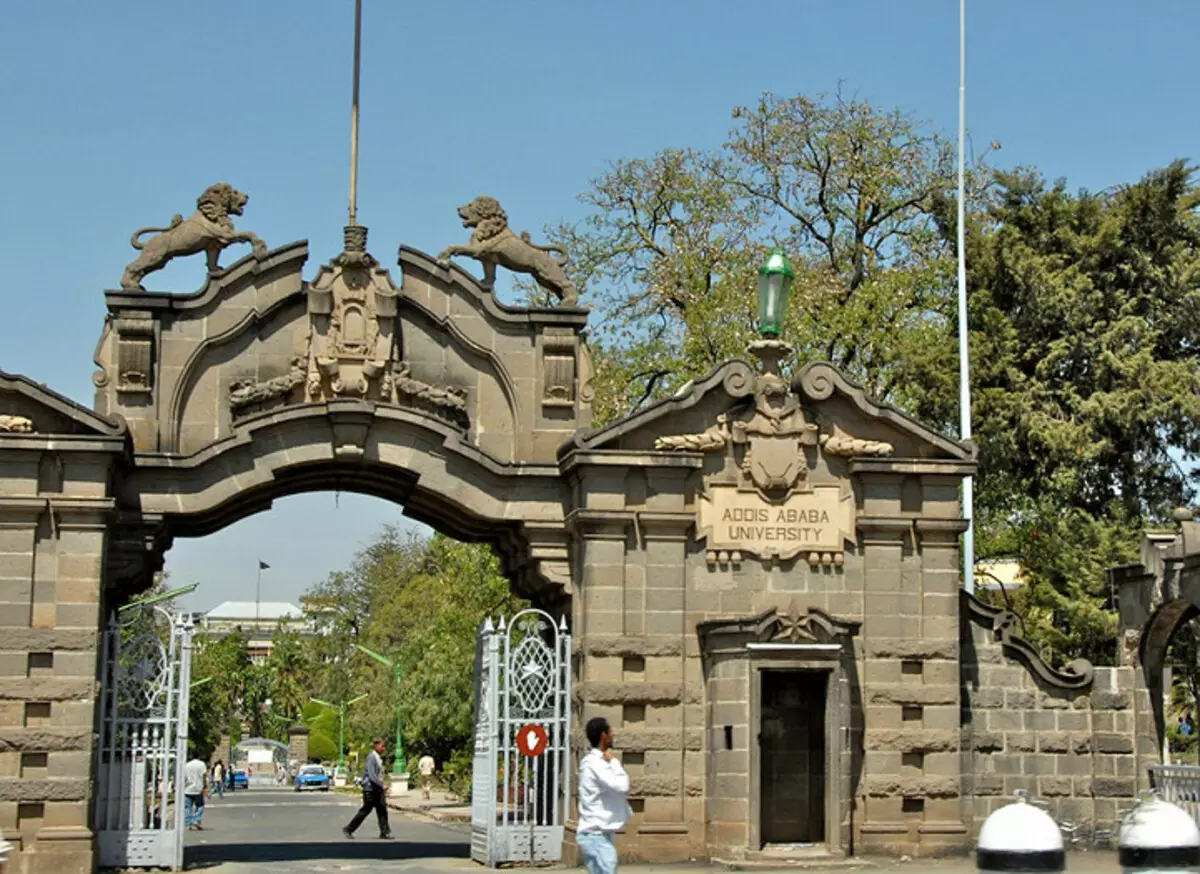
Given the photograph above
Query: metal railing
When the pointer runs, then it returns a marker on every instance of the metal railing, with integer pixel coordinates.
(1179, 784)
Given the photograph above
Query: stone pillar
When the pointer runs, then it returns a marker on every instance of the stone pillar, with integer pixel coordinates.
(297, 743)
(53, 524)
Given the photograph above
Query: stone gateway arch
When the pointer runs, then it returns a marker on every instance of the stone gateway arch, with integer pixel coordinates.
(760, 574)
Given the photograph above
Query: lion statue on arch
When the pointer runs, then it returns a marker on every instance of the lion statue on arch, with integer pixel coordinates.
(494, 245)
(209, 230)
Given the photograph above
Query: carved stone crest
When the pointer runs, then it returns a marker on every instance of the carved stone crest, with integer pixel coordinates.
(766, 505)
(776, 432)
(352, 315)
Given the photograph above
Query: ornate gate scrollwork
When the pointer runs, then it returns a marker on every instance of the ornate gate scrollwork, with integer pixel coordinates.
(522, 692)
(138, 815)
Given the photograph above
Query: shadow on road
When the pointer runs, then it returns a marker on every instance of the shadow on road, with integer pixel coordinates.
(359, 849)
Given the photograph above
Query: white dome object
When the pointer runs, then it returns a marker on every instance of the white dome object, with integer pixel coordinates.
(1020, 837)
(1159, 835)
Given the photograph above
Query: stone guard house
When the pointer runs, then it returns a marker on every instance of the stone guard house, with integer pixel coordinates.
(761, 573)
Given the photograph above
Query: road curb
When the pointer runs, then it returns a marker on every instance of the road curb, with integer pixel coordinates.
(433, 814)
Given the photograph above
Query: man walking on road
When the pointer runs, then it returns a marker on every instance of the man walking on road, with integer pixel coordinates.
(426, 766)
(374, 794)
(195, 778)
(603, 808)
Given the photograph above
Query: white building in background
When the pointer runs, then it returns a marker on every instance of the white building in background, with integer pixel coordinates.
(997, 573)
(258, 622)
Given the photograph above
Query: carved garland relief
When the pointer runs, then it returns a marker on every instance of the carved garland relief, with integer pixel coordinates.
(16, 424)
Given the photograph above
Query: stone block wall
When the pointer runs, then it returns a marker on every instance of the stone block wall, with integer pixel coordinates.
(1082, 747)
(53, 520)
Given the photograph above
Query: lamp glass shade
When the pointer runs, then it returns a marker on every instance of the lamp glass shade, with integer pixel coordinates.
(774, 284)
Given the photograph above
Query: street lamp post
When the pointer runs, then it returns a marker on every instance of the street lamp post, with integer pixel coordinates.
(399, 765)
(341, 709)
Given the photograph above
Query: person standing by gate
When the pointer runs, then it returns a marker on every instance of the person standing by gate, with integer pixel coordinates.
(374, 794)
(603, 808)
(195, 781)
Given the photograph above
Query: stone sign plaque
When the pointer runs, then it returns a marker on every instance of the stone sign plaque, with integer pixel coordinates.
(816, 521)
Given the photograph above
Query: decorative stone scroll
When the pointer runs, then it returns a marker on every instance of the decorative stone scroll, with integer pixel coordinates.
(15, 424)
(1003, 624)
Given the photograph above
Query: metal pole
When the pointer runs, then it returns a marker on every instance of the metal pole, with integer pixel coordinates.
(354, 115)
(398, 763)
(964, 366)
(257, 595)
(342, 740)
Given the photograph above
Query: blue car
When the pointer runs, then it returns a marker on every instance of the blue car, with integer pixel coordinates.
(239, 779)
(312, 777)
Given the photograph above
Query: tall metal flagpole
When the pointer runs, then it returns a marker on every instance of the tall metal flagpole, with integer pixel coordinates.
(964, 364)
(257, 594)
(354, 115)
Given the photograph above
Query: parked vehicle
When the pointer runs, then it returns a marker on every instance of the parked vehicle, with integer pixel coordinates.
(239, 779)
(312, 777)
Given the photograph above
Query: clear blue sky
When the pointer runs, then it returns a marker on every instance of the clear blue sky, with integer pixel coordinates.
(117, 115)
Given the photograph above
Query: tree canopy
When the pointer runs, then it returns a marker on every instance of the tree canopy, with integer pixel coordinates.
(1084, 317)
(669, 251)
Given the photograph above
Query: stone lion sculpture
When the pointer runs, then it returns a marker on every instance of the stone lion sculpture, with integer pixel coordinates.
(15, 424)
(209, 230)
(493, 244)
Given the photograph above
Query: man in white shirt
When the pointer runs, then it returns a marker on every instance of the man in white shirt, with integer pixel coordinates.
(426, 766)
(603, 808)
(195, 778)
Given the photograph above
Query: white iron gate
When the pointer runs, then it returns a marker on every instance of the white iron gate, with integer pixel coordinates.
(138, 810)
(522, 705)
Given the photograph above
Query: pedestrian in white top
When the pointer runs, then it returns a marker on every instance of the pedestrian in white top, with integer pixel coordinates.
(426, 766)
(603, 808)
(195, 782)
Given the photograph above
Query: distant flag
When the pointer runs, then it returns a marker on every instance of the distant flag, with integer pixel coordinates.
(263, 566)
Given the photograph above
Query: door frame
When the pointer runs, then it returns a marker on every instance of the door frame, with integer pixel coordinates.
(805, 658)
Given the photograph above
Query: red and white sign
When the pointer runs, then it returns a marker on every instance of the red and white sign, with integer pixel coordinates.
(531, 740)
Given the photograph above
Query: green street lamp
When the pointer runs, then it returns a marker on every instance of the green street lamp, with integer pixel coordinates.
(774, 284)
(399, 765)
(341, 709)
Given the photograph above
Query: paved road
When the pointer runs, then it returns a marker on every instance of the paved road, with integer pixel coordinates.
(271, 831)
(266, 831)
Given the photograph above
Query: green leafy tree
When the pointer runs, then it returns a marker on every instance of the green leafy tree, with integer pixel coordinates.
(1085, 312)
(670, 249)
(1086, 385)
(224, 660)
(289, 673)
(417, 602)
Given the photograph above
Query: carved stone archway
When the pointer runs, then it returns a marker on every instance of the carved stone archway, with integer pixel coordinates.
(431, 394)
(748, 520)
